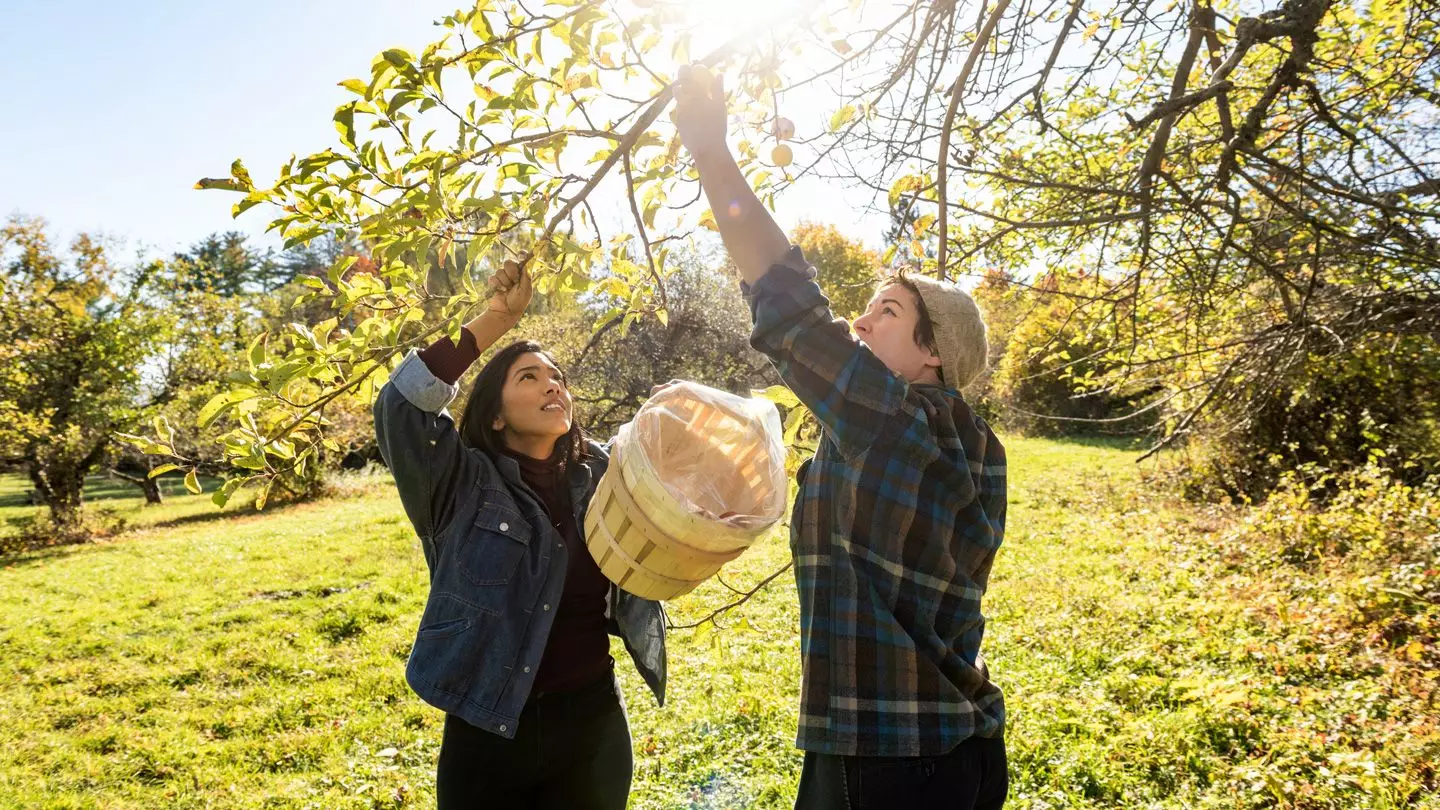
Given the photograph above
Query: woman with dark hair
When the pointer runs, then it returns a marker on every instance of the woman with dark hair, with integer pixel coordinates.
(513, 643)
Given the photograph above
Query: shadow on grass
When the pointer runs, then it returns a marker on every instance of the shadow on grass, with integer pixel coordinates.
(359, 486)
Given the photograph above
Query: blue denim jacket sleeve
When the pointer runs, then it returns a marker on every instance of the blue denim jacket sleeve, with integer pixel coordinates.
(422, 448)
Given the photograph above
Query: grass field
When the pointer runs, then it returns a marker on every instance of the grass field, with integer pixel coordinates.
(247, 660)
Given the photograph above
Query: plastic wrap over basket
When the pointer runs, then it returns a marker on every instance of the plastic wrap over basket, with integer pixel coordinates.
(695, 478)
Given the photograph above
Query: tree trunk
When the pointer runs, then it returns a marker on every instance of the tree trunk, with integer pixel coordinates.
(149, 486)
(62, 491)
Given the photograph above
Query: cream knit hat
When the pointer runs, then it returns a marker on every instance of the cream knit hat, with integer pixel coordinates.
(959, 330)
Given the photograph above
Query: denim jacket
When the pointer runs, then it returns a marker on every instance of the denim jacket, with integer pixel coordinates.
(497, 564)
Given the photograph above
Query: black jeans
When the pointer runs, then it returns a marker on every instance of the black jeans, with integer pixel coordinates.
(571, 750)
(973, 776)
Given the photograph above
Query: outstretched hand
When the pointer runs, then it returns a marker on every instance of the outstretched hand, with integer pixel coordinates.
(512, 288)
(700, 110)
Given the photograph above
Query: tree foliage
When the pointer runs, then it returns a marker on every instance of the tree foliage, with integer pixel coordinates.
(1250, 181)
(75, 331)
(844, 267)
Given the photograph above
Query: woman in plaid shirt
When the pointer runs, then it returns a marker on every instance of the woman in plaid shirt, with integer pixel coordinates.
(898, 517)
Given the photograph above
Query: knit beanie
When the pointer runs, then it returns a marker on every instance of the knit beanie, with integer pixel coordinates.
(959, 330)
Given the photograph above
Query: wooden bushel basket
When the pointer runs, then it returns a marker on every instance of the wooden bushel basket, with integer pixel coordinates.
(694, 479)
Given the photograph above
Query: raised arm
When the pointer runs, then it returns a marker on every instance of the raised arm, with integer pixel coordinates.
(842, 382)
(750, 234)
(417, 438)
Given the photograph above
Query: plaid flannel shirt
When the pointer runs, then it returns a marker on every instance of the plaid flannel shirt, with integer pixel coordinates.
(896, 524)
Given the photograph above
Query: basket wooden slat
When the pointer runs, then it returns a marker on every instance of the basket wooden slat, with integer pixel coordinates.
(641, 537)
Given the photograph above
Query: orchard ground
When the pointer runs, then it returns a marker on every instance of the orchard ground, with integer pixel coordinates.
(204, 659)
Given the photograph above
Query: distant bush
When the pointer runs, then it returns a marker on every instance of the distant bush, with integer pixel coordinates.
(1374, 542)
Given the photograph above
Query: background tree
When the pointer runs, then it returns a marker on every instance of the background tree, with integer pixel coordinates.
(705, 338)
(225, 264)
(1054, 374)
(77, 331)
(845, 268)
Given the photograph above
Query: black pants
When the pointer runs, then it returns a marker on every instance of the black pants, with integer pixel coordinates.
(571, 750)
(971, 777)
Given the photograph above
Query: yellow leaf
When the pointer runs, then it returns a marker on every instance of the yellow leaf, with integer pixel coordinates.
(192, 483)
(1090, 32)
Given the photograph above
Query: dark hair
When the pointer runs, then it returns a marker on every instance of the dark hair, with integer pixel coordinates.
(485, 401)
(924, 327)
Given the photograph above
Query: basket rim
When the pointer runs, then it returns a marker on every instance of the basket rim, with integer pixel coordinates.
(639, 475)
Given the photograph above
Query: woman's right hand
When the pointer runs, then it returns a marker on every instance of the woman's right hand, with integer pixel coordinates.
(700, 112)
(512, 286)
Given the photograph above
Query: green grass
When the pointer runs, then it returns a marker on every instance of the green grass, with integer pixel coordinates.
(257, 661)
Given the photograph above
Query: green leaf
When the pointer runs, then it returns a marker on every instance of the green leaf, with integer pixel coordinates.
(399, 57)
(517, 171)
(612, 286)
(303, 236)
(337, 271)
(241, 174)
(254, 460)
(223, 494)
(356, 86)
(163, 431)
(345, 124)
(251, 200)
(256, 353)
(264, 495)
(321, 332)
(223, 184)
(400, 99)
(910, 183)
(192, 483)
(222, 402)
(778, 394)
(144, 444)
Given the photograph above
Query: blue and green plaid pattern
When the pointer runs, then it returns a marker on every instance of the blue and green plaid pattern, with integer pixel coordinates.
(894, 530)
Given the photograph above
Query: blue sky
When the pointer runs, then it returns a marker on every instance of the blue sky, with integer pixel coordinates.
(112, 111)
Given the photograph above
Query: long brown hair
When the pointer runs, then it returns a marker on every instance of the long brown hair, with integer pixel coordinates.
(476, 426)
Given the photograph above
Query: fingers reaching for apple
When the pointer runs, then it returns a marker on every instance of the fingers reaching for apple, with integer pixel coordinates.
(511, 288)
(700, 110)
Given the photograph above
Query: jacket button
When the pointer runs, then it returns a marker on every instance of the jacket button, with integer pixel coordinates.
(504, 527)
(547, 607)
(527, 669)
(502, 726)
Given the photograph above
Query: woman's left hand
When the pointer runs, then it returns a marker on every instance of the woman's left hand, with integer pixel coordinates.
(513, 288)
